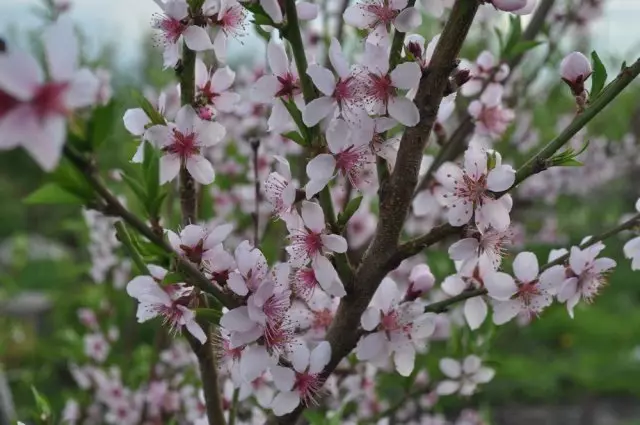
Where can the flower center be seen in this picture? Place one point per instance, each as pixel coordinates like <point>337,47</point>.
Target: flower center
<point>322,319</point>
<point>307,385</point>
<point>312,243</point>
<point>380,88</point>
<point>289,86</point>
<point>383,13</point>
<point>194,253</point>
<point>171,28</point>
<point>184,145</point>
<point>7,102</point>
<point>49,99</point>
<point>472,190</point>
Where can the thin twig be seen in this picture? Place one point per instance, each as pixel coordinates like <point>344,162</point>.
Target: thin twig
<point>255,146</point>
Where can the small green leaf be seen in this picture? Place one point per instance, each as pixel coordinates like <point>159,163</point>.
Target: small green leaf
<point>524,46</point>
<point>209,314</point>
<point>500,39</point>
<point>297,118</point>
<point>296,137</point>
<point>70,179</point>
<point>173,277</point>
<point>154,116</point>
<point>101,124</point>
<point>195,4</point>
<point>151,167</point>
<point>351,208</point>
<point>123,236</point>
<point>514,37</point>
<point>51,193</point>
<point>599,76</point>
<point>315,417</point>
<point>136,187</point>
<point>42,404</point>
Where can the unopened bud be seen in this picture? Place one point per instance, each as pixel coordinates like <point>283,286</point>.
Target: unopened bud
<point>415,49</point>
<point>421,280</point>
<point>461,76</point>
<point>509,5</point>
<point>575,69</point>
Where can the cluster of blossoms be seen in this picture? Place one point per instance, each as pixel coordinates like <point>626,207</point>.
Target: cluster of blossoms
<point>271,340</point>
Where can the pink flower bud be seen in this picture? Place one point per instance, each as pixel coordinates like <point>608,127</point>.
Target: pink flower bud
<point>575,69</point>
<point>421,280</point>
<point>509,5</point>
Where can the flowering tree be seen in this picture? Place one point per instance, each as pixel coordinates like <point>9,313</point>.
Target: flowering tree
<point>309,192</point>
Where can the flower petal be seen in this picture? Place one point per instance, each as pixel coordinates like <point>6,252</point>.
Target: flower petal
<point>500,286</point>
<point>318,109</point>
<point>404,110</point>
<point>475,311</point>
<point>525,267</point>
<point>196,38</point>
<point>61,49</point>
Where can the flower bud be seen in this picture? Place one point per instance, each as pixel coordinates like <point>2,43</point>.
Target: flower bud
<point>421,280</point>
<point>575,69</point>
<point>509,5</point>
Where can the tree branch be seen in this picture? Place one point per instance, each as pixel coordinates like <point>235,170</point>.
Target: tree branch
<point>186,75</point>
<point>293,35</point>
<point>396,193</point>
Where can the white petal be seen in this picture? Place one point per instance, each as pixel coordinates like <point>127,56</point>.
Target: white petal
<point>318,109</point>
<point>501,178</point>
<point>406,75</point>
<point>447,387</point>
<point>277,57</point>
<point>569,289</point>
<point>187,119</point>
<point>323,79</point>
<point>320,357</point>
<point>194,329</point>
<point>253,362</point>
<point>338,136</point>
<point>475,311</point>
<point>272,8</point>
<point>197,38</point>
<point>306,11</point>
<point>603,264</point>
<point>496,214</point>
<point>500,285</point>
<point>408,20</point>
<point>222,79</point>
<point>82,90</point>
<point>200,169</point>
<point>463,249</point>
<point>313,216</point>
<point>325,272</point>
<point>210,133</point>
<point>386,296</point>
<point>505,310</point>
<point>285,402</point>
<point>404,110</point>
<point>61,49</point>
<point>283,377</point>
<point>337,59</point>
<point>20,75</point>
<point>453,285</point>
<point>334,243</point>
<point>370,346</point>
<point>404,359</point>
<point>237,320</point>
<point>135,121</point>
<point>525,267</point>
<point>237,284</point>
<point>300,357</point>
<point>169,168</point>
<point>451,368</point>
<point>45,146</point>
<point>265,89</point>
<point>159,135</point>
<point>355,16</point>
<point>370,318</point>
<point>484,375</point>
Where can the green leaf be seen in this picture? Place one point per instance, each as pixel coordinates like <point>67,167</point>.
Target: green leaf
<point>154,116</point>
<point>296,137</point>
<point>42,404</point>
<point>136,187</point>
<point>51,193</point>
<point>599,76</point>
<point>297,118</point>
<point>70,179</point>
<point>350,209</point>
<point>151,168</point>
<point>315,417</point>
<point>195,4</point>
<point>524,46</point>
<point>155,205</point>
<point>209,314</point>
<point>123,236</point>
<point>173,277</point>
<point>500,39</point>
<point>514,37</point>
<point>101,124</point>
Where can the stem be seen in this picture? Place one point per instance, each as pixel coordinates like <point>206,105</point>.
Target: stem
<point>115,208</point>
<point>540,161</point>
<point>293,35</point>
<point>255,145</point>
<point>234,407</point>
<point>188,198</point>
<point>123,236</point>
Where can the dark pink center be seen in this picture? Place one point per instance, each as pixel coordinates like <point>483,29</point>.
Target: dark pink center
<point>184,145</point>
<point>49,99</point>
<point>172,28</point>
<point>7,102</point>
<point>380,87</point>
<point>312,242</point>
<point>307,385</point>
<point>289,86</point>
<point>383,13</point>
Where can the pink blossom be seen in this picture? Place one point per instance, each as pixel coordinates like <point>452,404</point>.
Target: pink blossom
<point>419,49</point>
<point>198,244</point>
<point>174,25</point>
<point>169,302</point>
<point>306,11</point>
<point>585,275</point>
<point>528,294</point>
<point>468,191</point>
<point>279,188</point>
<point>519,7</point>
<point>396,328</point>
<point>96,347</point>
<point>252,269</point>
<point>382,86</point>
<point>484,70</point>
<point>310,241</point>
<point>34,111</point>
<point>491,118</point>
<point>631,248</point>
<point>376,15</point>
<point>302,383</point>
<point>347,156</point>
<point>228,16</point>
<point>464,377</point>
<point>183,144</point>
<point>271,301</point>
<point>421,280</point>
<point>489,243</point>
<point>213,88</point>
<point>343,93</point>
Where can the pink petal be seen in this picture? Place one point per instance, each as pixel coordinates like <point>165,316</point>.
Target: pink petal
<point>320,357</point>
<point>194,329</point>
<point>323,79</point>
<point>334,243</point>
<point>283,377</point>
<point>222,79</point>
<point>500,286</point>
<point>404,110</point>
<point>525,267</point>
<point>447,387</point>
<point>285,402</point>
<point>197,38</point>
<point>475,311</point>
<point>277,57</point>
<point>313,216</point>
<point>451,368</point>
<point>408,20</point>
<point>169,168</point>
<point>83,90</point>
<point>237,320</point>
<point>272,8</point>
<point>300,357</point>
<point>61,49</point>
<point>20,75</point>
<point>404,359</point>
<point>318,109</point>
<point>337,59</point>
<point>504,311</point>
<point>406,75</point>
<point>45,145</point>
<point>135,121</point>
<point>370,346</point>
<point>306,11</point>
<point>370,318</point>
<point>209,133</point>
<point>453,285</point>
<point>463,249</point>
<point>501,178</point>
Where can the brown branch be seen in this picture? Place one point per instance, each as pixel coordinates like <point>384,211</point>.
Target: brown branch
<point>396,193</point>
